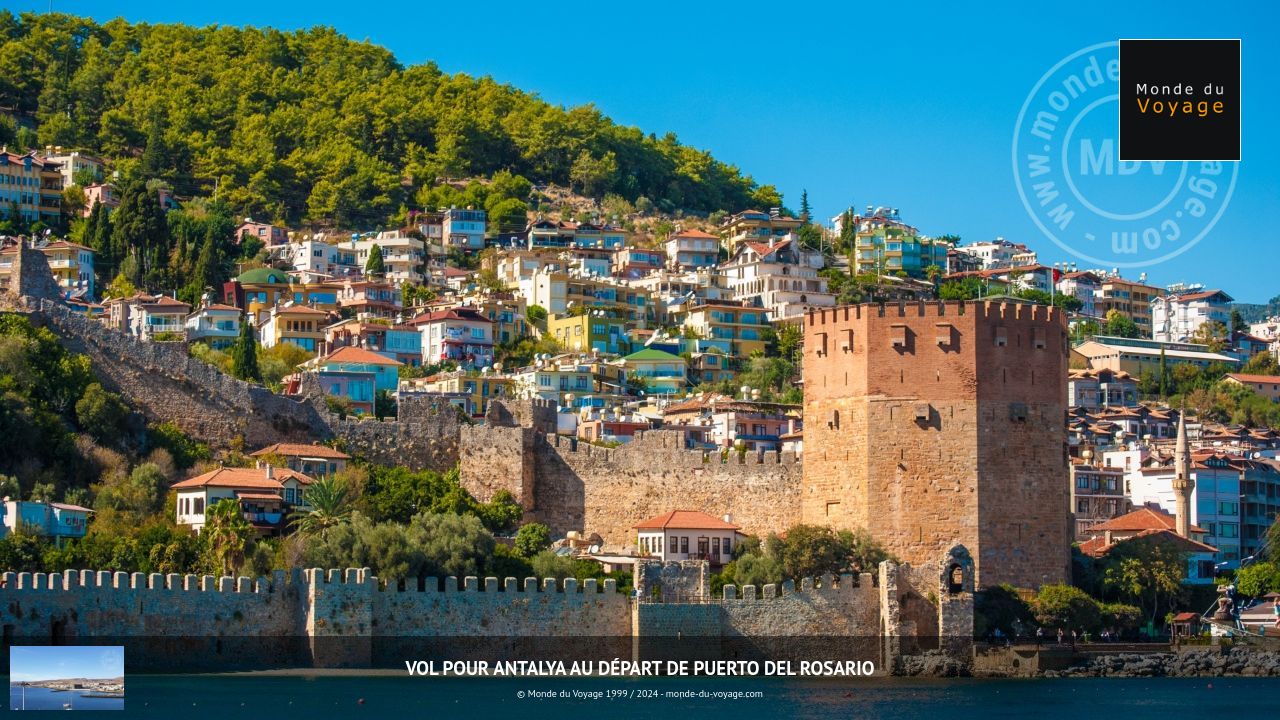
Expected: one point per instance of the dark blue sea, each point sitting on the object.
(348, 696)
(38, 698)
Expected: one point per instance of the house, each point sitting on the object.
(757, 227)
(1268, 386)
(46, 519)
(1177, 316)
(469, 390)
(464, 228)
(298, 324)
(714, 420)
(1135, 355)
(269, 234)
(384, 370)
(311, 460)
(692, 249)
(1148, 524)
(214, 324)
(402, 255)
(634, 262)
(459, 334)
(104, 194)
(1128, 298)
(32, 184)
(661, 372)
(402, 343)
(884, 245)
(1083, 286)
(1097, 494)
(73, 162)
(1096, 389)
(779, 276)
(371, 298)
(72, 265)
(688, 535)
(742, 325)
(149, 317)
(266, 496)
(597, 330)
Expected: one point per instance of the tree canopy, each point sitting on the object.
(310, 125)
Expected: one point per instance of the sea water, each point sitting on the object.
(38, 698)
(223, 697)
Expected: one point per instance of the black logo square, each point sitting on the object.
(1179, 100)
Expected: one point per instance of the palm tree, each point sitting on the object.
(227, 534)
(329, 500)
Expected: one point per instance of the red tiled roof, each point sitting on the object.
(1247, 378)
(1144, 518)
(454, 313)
(301, 450)
(219, 306)
(352, 354)
(1199, 295)
(253, 478)
(1097, 546)
(763, 249)
(697, 234)
(686, 520)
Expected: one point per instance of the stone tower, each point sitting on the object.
(937, 424)
(1182, 482)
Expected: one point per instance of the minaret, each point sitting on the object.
(1182, 482)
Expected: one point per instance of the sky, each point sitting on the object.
(58, 662)
(910, 106)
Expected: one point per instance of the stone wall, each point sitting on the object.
(165, 384)
(348, 618)
(572, 485)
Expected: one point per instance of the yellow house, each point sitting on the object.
(474, 389)
(297, 324)
(594, 330)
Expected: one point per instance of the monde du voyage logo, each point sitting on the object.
(1123, 152)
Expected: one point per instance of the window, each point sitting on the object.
(684, 545)
(728, 546)
(715, 546)
(1228, 508)
(199, 506)
(1082, 506)
(675, 544)
(1228, 530)
(1082, 481)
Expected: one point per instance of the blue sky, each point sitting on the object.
(911, 106)
(66, 661)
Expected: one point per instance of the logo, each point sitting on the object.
(1082, 196)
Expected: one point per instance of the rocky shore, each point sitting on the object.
(1207, 662)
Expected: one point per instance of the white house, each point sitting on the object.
(1176, 317)
(214, 324)
(688, 535)
(266, 495)
(464, 228)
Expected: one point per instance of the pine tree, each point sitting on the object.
(805, 210)
(374, 267)
(141, 231)
(90, 234)
(244, 354)
(155, 161)
(106, 262)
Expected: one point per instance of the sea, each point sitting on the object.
(256, 696)
(38, 698)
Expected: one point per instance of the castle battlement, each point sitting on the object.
(670, 443)
(846, 587)
(1021, 312)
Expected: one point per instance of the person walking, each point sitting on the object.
(1039, 637)
(1073, 639)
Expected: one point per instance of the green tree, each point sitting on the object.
(1238, 323)
(1163, 372)
(1212, 334)
(155, 161)
(374, 266)
(141, 232)
(531, 539)
(101, 414)
(1068, 608)
(805, 210)
(1258, 579)
(244, 354)
(1148, 572)
(328, 501)
(1120, 325)
(227, 536)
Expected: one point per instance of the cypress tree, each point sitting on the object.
(805, 210)
(244, 354)
(374, 267)
(1164, 375)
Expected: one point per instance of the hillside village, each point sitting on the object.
(621, 319)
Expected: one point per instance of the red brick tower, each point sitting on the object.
(932, 424)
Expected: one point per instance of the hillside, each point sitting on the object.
(312, 127)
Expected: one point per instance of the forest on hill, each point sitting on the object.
(310, 126)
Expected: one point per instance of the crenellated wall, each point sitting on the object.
(349, 618)
(573, 485)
